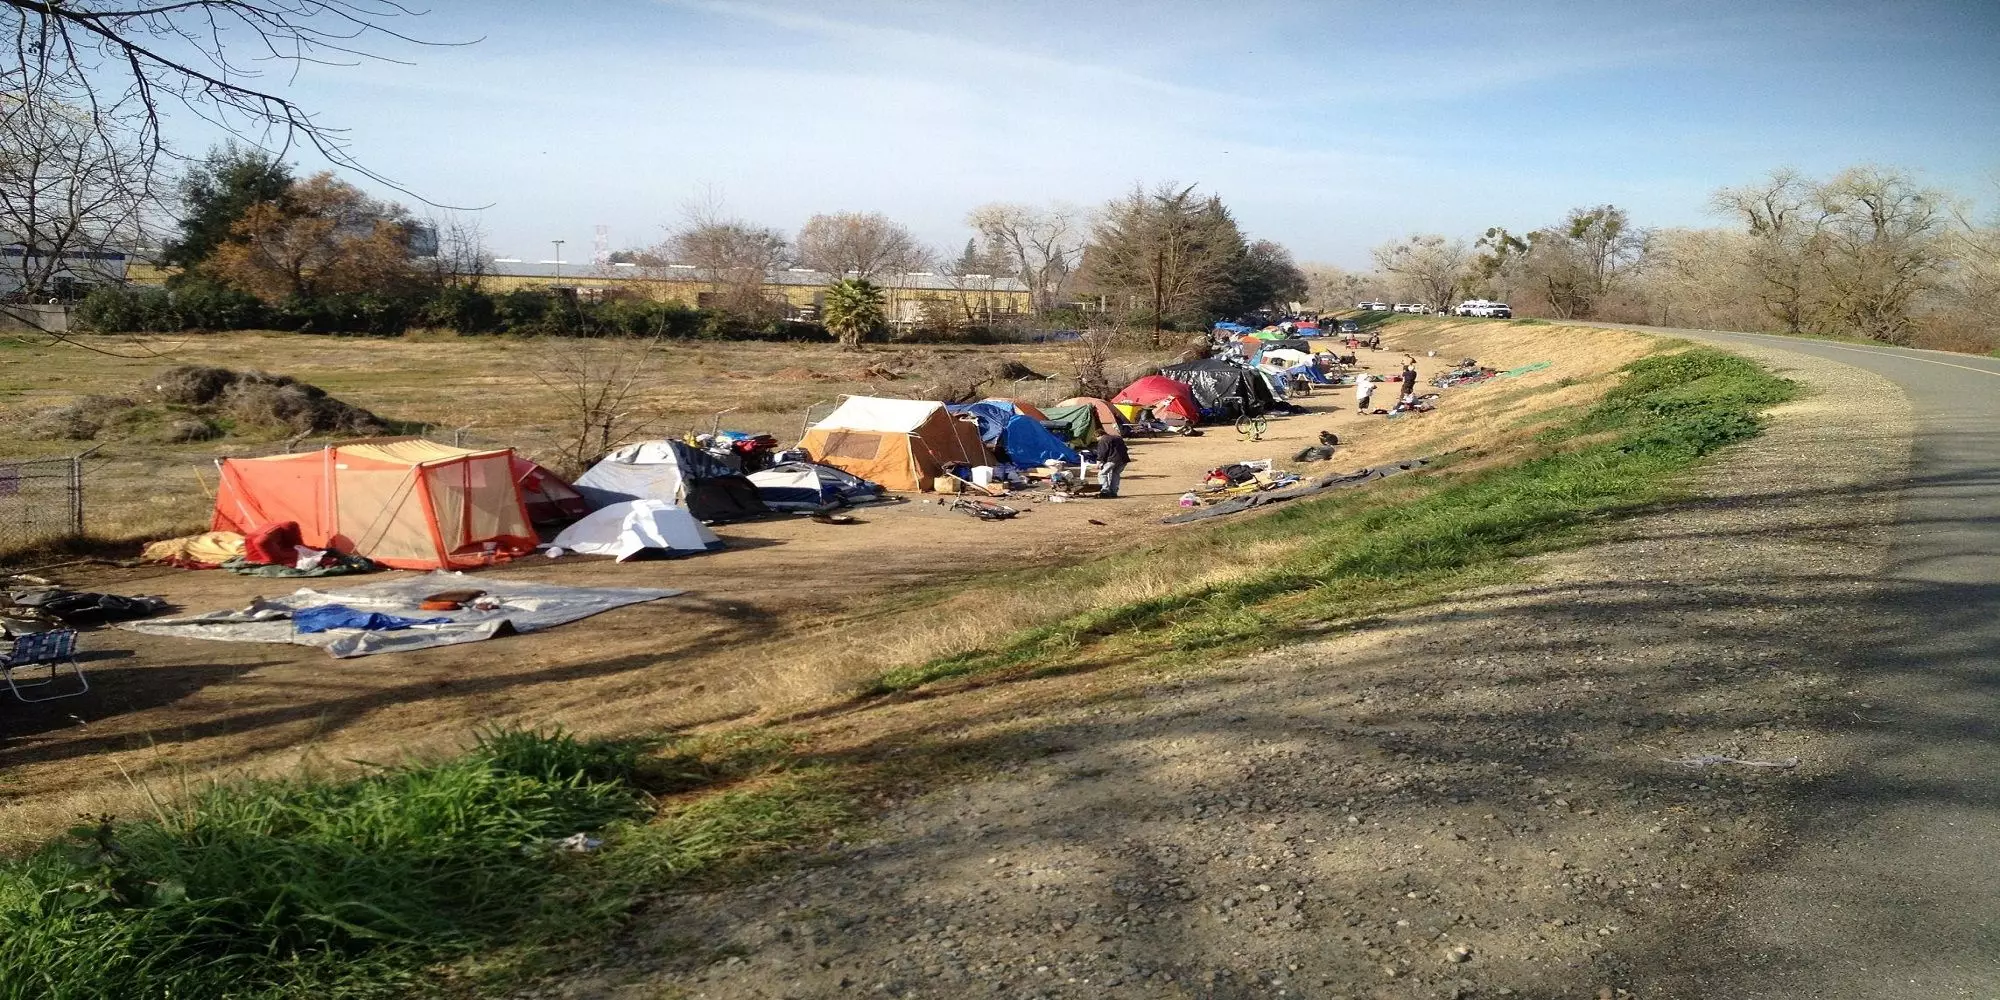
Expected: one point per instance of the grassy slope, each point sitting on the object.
(360, 888)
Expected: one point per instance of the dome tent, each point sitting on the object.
(625, 529)
(1165, 396)
(807, 486)
(673, 471)
(1227, 389)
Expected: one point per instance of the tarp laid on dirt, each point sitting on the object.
(522, 606)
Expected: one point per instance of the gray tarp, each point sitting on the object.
(524, 606)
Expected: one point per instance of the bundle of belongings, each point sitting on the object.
(1318, 487)
(276, 549)
(436, 609)
(44, 607)
(1466, 372)
(1241, 473)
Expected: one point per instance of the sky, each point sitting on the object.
(1330, 127)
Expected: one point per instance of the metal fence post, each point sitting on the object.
(76, 496)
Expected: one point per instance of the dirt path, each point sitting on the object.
(1478, 799)
(793, 615)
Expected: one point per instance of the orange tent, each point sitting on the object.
(1108, 417)
(1026, 409)
(899, 444)
(408, 504)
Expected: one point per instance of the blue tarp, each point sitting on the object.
(1023, 440)
(331, 616)
(1313, 372)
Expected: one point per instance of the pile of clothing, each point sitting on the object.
(43, 607)
(1466, 372)
(274, 550)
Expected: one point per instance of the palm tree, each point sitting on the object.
(853, 310)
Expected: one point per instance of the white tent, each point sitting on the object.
(675, 472)
(1286, 356)
(624, 530)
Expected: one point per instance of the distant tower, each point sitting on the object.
(601, 254)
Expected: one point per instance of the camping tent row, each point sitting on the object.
(415, 504)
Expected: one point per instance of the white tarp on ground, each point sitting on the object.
(885, 416)
(624, 530)
(523, 606)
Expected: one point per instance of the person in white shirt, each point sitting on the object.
(1364, 387)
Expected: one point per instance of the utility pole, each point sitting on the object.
(558, 244)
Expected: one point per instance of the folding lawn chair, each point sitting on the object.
(54, 650)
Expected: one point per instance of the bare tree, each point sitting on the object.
(733, 256)
(860, 245)
(461, 259)
(118, 58)
(1330, 287)
(600, 388)
(1784, 227)
(1042, 245)
(1433, 266)
(1575, 262)
(68, 190)
(1882, 244)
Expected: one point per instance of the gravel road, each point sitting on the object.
(1595, 785)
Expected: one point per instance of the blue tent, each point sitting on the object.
(1022, 439)
(1312, 373)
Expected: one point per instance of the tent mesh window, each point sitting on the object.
(853, 444)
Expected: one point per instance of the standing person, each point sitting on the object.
(1364, 389)
(1409, 379)
(1112, 457)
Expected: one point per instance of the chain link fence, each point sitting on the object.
(41, 501)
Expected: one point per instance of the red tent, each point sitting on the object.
(1165, 396)
(548, 498)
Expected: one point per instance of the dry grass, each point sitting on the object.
(478, 391)
(802, 622)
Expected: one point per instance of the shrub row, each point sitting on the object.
(195, 305)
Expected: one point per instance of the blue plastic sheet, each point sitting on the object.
(332, 616)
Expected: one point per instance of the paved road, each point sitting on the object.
(1897, 893)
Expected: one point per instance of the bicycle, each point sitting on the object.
(1252, 428)
(983, 510)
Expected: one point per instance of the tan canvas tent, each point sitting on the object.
(902, 444)
(408, 504)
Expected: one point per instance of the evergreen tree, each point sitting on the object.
(216, 192)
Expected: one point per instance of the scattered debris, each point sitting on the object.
(1711, 759)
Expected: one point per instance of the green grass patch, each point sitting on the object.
(1412, 539)
(359, 887)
